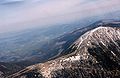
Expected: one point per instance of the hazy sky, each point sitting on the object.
(21, 14)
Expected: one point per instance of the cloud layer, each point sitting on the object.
(21, 14)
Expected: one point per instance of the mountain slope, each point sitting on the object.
(51, 50)
(96, 54)
(55, 48)
(60, 45)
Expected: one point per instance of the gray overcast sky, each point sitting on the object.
(21, 14)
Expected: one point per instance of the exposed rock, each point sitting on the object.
(1, 74)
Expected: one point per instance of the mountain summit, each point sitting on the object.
(96, 54)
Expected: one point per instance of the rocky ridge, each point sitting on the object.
(96, 54)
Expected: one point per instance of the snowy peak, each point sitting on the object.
(103, 43)
(99, 34)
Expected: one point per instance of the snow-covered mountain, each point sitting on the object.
(95, 54)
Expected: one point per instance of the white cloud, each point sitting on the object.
(44, 12)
